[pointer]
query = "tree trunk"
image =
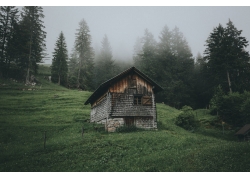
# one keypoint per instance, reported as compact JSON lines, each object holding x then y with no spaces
{"x":78,"y":78}
{"x":4,"y":71}
{"x":5,"y":34}
{"x":229,"y":82}
{"x":28,"y":70}
{"x":8,"y":68}
{"x":28,"y":75}
{"x":1,"y":72}
{"x":59,"y":73}
{"x":59,"y":79}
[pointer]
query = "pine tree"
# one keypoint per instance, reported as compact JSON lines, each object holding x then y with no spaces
{"x":33,"y":39}
{"x":105,"y":67}
{"x":237,"y":59}
{"x":202,"y":90}
{"x":137,"y":52}
{"x":147,"y":59}
{"x":199,"y":61}
{"x":227,"y":59}
{"x":175,"y":67}
{"x":184,"y":71}
{"x":73,"y":70}
{"x":164,"y":65}
{"x":85,"y":56}
{"x":59,"y":67}
{"x":13,"y":54}
{"x":8,"y":19}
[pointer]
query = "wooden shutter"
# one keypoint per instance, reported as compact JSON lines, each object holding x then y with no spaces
{"x":146,"y":100}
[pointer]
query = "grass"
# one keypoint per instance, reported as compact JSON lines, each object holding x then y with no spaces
{"x":26,"y":115}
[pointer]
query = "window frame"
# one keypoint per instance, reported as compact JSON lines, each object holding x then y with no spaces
{"x":137,"y":100}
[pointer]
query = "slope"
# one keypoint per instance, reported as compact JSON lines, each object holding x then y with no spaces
{"x":27,"y":116}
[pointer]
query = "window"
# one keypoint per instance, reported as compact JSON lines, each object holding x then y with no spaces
{"x":137,"y":99}
{"x":142,"y":100}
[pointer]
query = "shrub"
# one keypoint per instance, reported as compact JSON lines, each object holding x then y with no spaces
{"x":187,"y":119}
{"x":232,"y":108}
{"x":245,"y":113}
{"x":229,"y":109}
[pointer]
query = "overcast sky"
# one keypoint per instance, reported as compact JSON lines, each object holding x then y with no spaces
{"x":123,"y":24}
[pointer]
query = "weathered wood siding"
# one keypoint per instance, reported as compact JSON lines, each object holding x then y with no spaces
{"x":120,"y":102}
{"x":123,"y":93}
{"x":100,"y":110}
{"x":131,"y":84}
{"x":123,"y":105}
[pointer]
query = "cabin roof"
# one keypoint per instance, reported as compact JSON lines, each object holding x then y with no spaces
{"x":104,"y":86}
{"x":243,"y":130}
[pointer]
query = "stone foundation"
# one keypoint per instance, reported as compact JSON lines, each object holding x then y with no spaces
{"x":113,"y":124}
{"x":140,"y":122}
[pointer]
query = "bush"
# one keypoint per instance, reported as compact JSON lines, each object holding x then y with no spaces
{"x":229,"y":109}
{"x":232,"y":108}
{"x":245,"y":113}
{"x":187,"y":119}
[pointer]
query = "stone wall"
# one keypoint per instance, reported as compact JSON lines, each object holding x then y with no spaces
{"x":140,"y":122}
{"x":114,"y":123}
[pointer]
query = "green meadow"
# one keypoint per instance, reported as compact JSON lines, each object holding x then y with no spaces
{"x":27,"y":116}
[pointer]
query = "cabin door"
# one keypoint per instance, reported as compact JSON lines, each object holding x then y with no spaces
{"x":129,"y":121}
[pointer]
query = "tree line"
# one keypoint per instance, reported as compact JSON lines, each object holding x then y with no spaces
{"x":189,"y":80}
{"x":186,"y":80}
{"x":219,"y":79}
{"x":22,"y":42}
{"x":22,"y":47}
{"x":87,"y":69}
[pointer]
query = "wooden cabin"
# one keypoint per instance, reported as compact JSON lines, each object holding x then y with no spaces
{"x":244,"y":133}
{"x":126,"y":99}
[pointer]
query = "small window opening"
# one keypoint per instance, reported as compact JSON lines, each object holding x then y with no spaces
{"x":137,"y":100}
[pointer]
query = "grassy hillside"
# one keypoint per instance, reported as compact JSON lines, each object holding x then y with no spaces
{"x":26,"y":115}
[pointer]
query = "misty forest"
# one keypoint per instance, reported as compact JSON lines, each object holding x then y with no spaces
{"x":205,"y":100}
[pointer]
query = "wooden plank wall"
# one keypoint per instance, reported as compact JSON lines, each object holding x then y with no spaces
{"x":123,"y":93}
{"x":123,"y":85}
{"x":100,"y":112}
{"x":122,"y":102}
{"x":123,"y":106}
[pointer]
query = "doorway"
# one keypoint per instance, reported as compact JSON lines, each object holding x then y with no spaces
{"x":129,"y":121}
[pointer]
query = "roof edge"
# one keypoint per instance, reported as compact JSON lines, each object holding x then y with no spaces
{"x":105,"y":84}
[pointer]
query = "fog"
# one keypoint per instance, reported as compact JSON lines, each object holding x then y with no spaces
{"x":123,"y":25}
